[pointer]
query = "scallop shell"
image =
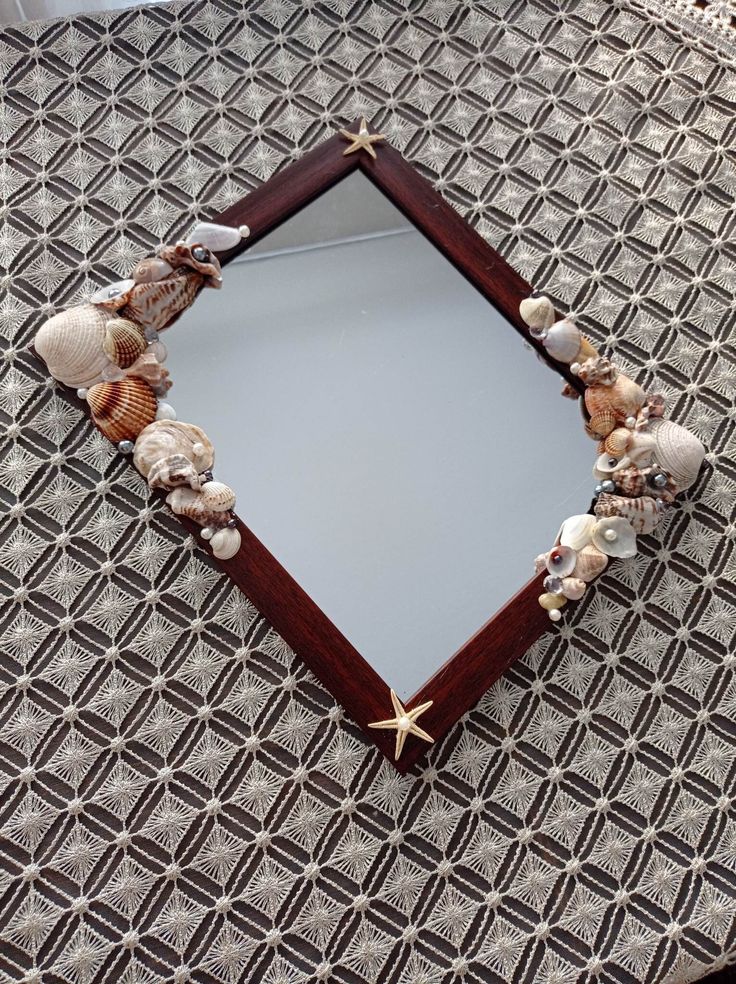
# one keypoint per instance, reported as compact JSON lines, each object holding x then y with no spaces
{"x":151,"y":269}
{"x":615,"y":536}
{"x":172,"y":472}
{"x":166,"y":438}
{"x":217,"y":496}
{"x":562,"y":341}
{"x":600,"y":424}
{"x":537,"y":312}
{"x":590,"y":563}
{"x":573,"y":588}
{"x":624,"y":398}
{"x":643,"y":513}
{"x":677,"y":451}
{"x":576,"y":531}
{"x":124,"y":342}
{"x":225,"y":543}
{"x":71,"y":345}
{"x":156,"y":305}
{"x":121,"y":410}
{"x":617,"y":442}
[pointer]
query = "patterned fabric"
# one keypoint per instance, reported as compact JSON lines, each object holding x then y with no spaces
{"x":180,"y":799}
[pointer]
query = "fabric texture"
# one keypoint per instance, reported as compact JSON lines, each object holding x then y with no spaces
{"x":181,"y":800}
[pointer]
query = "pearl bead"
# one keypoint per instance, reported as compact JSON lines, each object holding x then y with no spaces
{"x":555,"y":615}
{"x":82,"y":394}
{"x":630,"y":422}
{"x":125,"y":447}
{"x":206,"y":533}
{"x":608,"y":486}
{"x":404,"y":723}
{"x":244,"y":231}
{"x":659,"y":481}
{"x":574,"y":368}
{"x":200,"y":254}
{"x":610,"y":535}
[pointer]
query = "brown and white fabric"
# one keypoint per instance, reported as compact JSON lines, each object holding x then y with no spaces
{"x":181,"y":800}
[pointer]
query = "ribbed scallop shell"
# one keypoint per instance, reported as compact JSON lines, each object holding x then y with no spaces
{"x":601,"y":424}
{"x":217,"y":495}
{"x":590,"y":563}
{"x":165,"y":438}
{"x":124,"y":342}
{"x":678,"y":452}
{"x":643,"y":512}
{"x":122,"y":409}
{"x":617,"y":442}
{"x":624,"y":398}
{"x":71,"y":345}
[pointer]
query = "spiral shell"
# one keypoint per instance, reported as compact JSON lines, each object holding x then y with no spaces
{"x":590,"y":563}
{"x":151,"y":269}
{"x":630,"y":482}
{"x":678,"y":452}
{"x":617,"y":442}
{"x":158,"y":303}
{"x":172,"y":472}
{"x":208,"y":506}
{"x":122,"y":409}
{"x":600,"y":424}
{"x":537,"y":312}
{"x":562,"y":341}
{"x":615,"y":536}
{"x":643,"y":513}
{"x":71,"y":345}
{"x":123,"y":342}
{"x":164,"y":439}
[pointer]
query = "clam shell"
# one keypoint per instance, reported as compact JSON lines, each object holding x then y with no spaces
{"x":576,"y":531}
{"x":151,"y":269}
{"x":121,"y":410}
{"x":124,"y":342}
{"x":573,"y":588}
{"x":225,"y":543}
{"x":643,"y":513}
{"x":562,"y":341}
{"x":172,"y":472}
{"x":537,"y":312}
{"x":590,"y":563}
{"x":165,"y":438}
{"x":677,"y":451}
{"x":156,"y":304}
{"x":217,"y":496}
{"x":618,"y":441}
{"x":215,"y":237}
{"x":71,"y":345}
{"x":561,"y":561}
{"x":615,"y":536}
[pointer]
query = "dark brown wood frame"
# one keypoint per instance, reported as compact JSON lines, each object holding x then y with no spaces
{"x":467,"y":674}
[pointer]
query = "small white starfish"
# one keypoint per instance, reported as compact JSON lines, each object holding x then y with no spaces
{"x":404,"y":723}
{"x":362,"y":140}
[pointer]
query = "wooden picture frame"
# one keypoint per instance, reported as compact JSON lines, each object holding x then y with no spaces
{"x":468,"y":673}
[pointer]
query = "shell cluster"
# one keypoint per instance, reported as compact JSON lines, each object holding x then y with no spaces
{"x":109,"y":351}
{"x":643,"y":461}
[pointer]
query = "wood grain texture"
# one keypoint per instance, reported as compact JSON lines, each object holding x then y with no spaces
{"x":467,"y":674}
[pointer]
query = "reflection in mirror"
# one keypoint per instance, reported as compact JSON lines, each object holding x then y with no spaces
{"x":391,"y":441}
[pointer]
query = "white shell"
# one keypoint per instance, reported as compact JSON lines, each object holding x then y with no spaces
{"x":215,"y":237}
{"x":641,"y":449}
{"x":165,"y":411}
{"x":71,"y":342}
{"x":225,"y":543}
{"x":562,"y":341}
{"x":164,"y":438}
{"x":677,"y":452}
{"x":615,"y":537}
{"x":113,"y":295}
{"x":537,"y":312}
{"x":576,"y":531}
{"x":602,"y":469}
{"x":573,"y":588}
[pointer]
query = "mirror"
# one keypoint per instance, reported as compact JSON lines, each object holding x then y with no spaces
{"x":392,"y":442}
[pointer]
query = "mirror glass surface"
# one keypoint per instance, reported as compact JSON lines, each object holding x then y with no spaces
{"x":389,"y":437}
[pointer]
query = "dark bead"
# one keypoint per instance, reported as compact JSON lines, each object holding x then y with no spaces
{"x":232,"y":523}
{"x":200,"y":254}
{"x":608,"y":486}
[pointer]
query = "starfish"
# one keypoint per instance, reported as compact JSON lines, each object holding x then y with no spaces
{"x":362,"y":140}
{"x":404,"y":723}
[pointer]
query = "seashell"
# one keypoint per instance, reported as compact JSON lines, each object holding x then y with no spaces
{"x":586,"y":351}
{"x":624,"y":398}
{"x":215,"y":237}
{"x":172,"y":472}
{"x":540,"y":563}
{"x":573,"y":588}
{"x":597,"y":370}
{"x":121,"y":410}
{"x":195,"y":505}
{"x":113,"y":296}
{"x":641,"y":449}
{"x":148,"y":367}
{"x":71,"y":345}
{"x":606,"y":466}
{"x":157,"y":304}
{"x":164,"y":438}
{"x":643,"y":513}
{"x":590,"y":563}
{"x":151,"y":269}
{"x":194,"y":257}
{"x":576,"y":531}
{"x":561,"y":561}
{"x":217,"y":496}
{"x":562,"y":341}
{"x":630,"y":481}
{"x":225,"y":543}
{"x":600,"y":424}
{"x":677,"y":451}
{"x":550,"y":601}
{"x":615,"y":536}
{"x":598,"y":400}
{"x":655,"y":405}
{"x":537,"y":312}
{"x":617,"y":442}
{"x":123,"y":342}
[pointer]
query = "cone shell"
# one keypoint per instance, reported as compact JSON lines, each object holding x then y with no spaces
{"x":156,"y":304}
{"x":123,"y":342}
{"x":643,"y":513}
{"x":562,"y":341}
{"x":590,"y":563}
{"x":225,"y":543}
{"x":576,"y":531}
{"x":166,"y":438}
{"x":537,"y":312}
{"x":617,"y":442}
{"x":151,"y":269}
{"x":71,"y":345}
{"x":678,"y":452}
{"x":615,"y":536}
{"x":121,"y":410}
{"x":600,"y":424}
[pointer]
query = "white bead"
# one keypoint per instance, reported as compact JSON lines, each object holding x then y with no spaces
{"x":555,"y":615}
{"x":610,"y":535}
{"x":630,"y":422}
{"x":165,"y":411}
{"x":574,"y":368}
{"x":244,"y":231}
{"x":403,"y":723}
{"x":206,"y":533}
{"x":82,"y":394}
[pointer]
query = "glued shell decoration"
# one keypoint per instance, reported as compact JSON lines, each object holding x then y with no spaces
{"x":562,"y":341}
{"x":641,"y":449}
{"x":209,"y":507}
{"x":678,"y":452}
{"x":576,"y":531}
{"x":113,"y":296}
{"x":172,"y":472}
{"x":225,"y":543}
{"x":561,"y":561}
{"x":597,"y":369}
{"x":600,"y":425}
{"x":164,"y":439}
{"x":71,"y":345}
{"x":615,"y":536}
{"x":590,"y":563}
{"x":123,"y":342}
{"x":643,"y":513}
{"x":624,"y":398}
{"x":537,"y":312}
{"x":216,"y":237}
{"x":157,"y":304}
{"x":149,"y":368}
{"x":618,"y":441}
{"x":630,"y":482}
{"x":573,"y":588}
{"x":122,"y":409}
{"x":151,"y":269}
